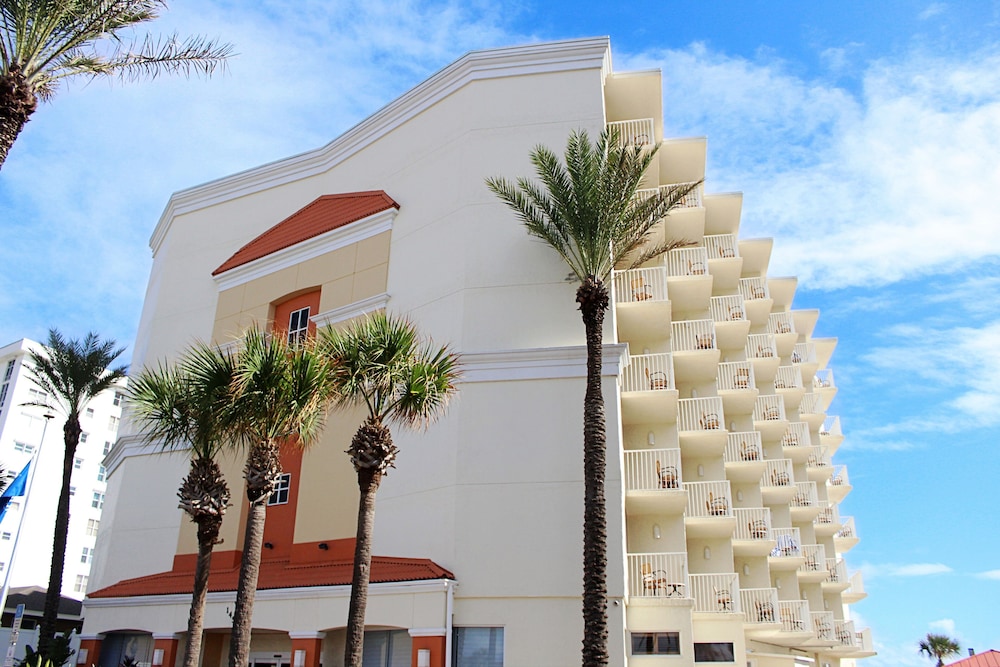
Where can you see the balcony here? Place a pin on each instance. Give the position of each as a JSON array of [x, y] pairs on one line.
[[847, 638], [758, 299], [731, 324], [782, 326], [657, 577], [827, 521], [716, 593], [795, 442], [642, 307], [839, 485], [814, 569], [762, 353], [856, 591], [811, 410], [846, 538], [823, 381], [804, 355], [787, 554], [753, 532], [830, 434], [804, 505], [736, 386], [796, 625], [863, 644], [686, 220], [653, 482], [777, 484], [724, 261], [836, 579], [769, 417], [744, 457], [818, 465], [638, 132], [692, 199], [695, 353], [701, 425], [648, 390], [823, 627], [760, 608], [709, 509], [688, 278]]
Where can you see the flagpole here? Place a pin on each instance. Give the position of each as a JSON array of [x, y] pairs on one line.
[[33, 462]]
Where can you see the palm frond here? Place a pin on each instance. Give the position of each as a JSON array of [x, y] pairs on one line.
[[73, 372]]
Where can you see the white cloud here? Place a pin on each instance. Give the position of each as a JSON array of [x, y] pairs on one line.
[[945, 625], [873, 571], [990, 574], [932, 10]]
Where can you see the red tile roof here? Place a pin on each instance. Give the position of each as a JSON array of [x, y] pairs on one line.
[[323, 215], [280, 574], [989, 658]]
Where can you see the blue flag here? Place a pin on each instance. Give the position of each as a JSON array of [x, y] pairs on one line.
[[15, 488]]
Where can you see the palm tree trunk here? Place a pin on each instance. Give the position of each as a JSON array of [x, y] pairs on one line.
[[593, 299], [17, 103], [71, 436], [368, 483], [208, 534], [239, 642]]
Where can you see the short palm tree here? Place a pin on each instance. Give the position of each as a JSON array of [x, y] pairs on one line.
[[586, 208], [386, 367], [282, 393], [71, 372], [187, 405], [939, 647], [43, 42]]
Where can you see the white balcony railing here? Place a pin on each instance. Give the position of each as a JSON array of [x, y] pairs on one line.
[[780, 323], [797, 435], [637, 132], [700, 414], [857, 587], [709, 499], [839, 477], [769, 408], [761, 346], [690, 200], [658, 575], [743, 447], [648, 372], [754, 288], [822, 622], [788, 377], [687, 262], [847, 530], [716, 593], [804, 353], [638, 285], [805, 495], [692, 335], [864, 640], [789, 543], [653, 469], [753, 523], [831, 427], [760, 605], [836, 570], [722, 246], [823, 379], [818, 458], [727, 308], [812, 404], [845, 634], [777, 473], [815, 558], [794, 615], [829, 515], [733, 375]]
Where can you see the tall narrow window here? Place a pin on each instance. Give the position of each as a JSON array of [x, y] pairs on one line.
[[81, 583], [107, 447], [477, 647], [280, 495], [298, 325], [92, 525], [119, 397], [101, 473], [87, 556], [113, 423], [98, 502]]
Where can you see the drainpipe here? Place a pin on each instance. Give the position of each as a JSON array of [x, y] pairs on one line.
[[450, 589]]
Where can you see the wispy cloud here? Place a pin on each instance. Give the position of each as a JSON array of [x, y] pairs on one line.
[[993, 575], [932, 10], [873, 571], [945, 625]]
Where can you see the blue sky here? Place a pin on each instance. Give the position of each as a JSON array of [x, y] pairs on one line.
[[864, 135]]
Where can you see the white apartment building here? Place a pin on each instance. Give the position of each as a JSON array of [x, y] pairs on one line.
[[22, 428], [725, 543]]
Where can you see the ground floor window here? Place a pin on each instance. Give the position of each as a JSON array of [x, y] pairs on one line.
[[117, 646], [656, 643], [714, 652], [387, 648], [477, 647]]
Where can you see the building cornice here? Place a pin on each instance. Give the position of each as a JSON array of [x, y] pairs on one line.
[[363, 307], [540, 363], [561, 56]]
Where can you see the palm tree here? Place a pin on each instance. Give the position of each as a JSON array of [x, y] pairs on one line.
[[939, 646], [71, 372], [187, 406], [43, 42], [385, 366], [586, 209], [281, 394]]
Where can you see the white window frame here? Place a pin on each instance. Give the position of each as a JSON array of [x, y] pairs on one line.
[[282, 490]]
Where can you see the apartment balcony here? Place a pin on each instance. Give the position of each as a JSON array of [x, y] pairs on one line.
[[762, 353], [823, 382], [804, 356], [823, 628], [856, 591], [716, 593], [846, 538], [709, 509], [830, 435], [795, 442], [836, 580], [846, 636], [686, 220], [769, 417], [782, 326], [642, 307], [637, 132], [753, 532], [689, 281], [648, 392], [731, 323], [696, 355], [827, 519], [838, 485], [724, 261], [744, 457], [760, 609], [777, 485], [787, 553], [814, 569], [804, 505], [736, 386], [819, 468], [693, 199], [811, 410], [796, 624], [863, 644], [758, 300], [657, 578], [701, 425], [653, 482]]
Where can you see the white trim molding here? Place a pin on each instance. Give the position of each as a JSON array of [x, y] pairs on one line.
[[540, 363], [351, 310], [307, 634], [428, 632]]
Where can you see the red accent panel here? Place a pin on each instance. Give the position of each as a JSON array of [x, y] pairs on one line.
[[312, 647], [169, 647], [436, 645], [93, 648]]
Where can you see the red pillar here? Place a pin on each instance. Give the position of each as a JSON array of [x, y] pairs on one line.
[[168, 645], [311, 645], [426, 640], [90, 650]]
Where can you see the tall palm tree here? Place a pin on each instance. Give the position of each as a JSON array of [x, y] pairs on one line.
[[71, 372], [939, 646], [586, 208], [187, 406], [386, 367], [43, 42], [282, 393]]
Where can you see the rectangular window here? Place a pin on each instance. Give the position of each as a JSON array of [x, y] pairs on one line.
[[77, 463], [113, 423], [656, 643], [98, 502], [4, 536], [92, 525], [3, 394], [3, 566], [23, 447], [102, 472], [387, 648], [280, 495], [107, 447], [477, 647], [81, 583], [9, 371], [36, 395], [119, 398], [714, 652], [298, 325], [89, 412], [88, 555], [72, 490], [83, 437]]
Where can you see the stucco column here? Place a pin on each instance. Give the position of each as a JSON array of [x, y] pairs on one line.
[[306, 648], [90, 650], [168, 645], [428, 643]]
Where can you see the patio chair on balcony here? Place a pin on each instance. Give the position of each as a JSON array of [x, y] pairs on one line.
[[844, 637], [783, 328], [779, 384], [779, 478], [696, 268], [640, 290], [724, 598], [789, 621], [765, 611], [758, 292], [790, 439], [653, 581], [772, 413], [796, 358], [640, 139], [802, 500], [727, 252], [764, 352], [667, 476], [704, 341], [717, 506], [709, 421], [812, 461], [758, 529], [742, 378], [832, 576], [823, 630], [811, 563], [786, 546], [749, 452], [657, 380], [735, 313]]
